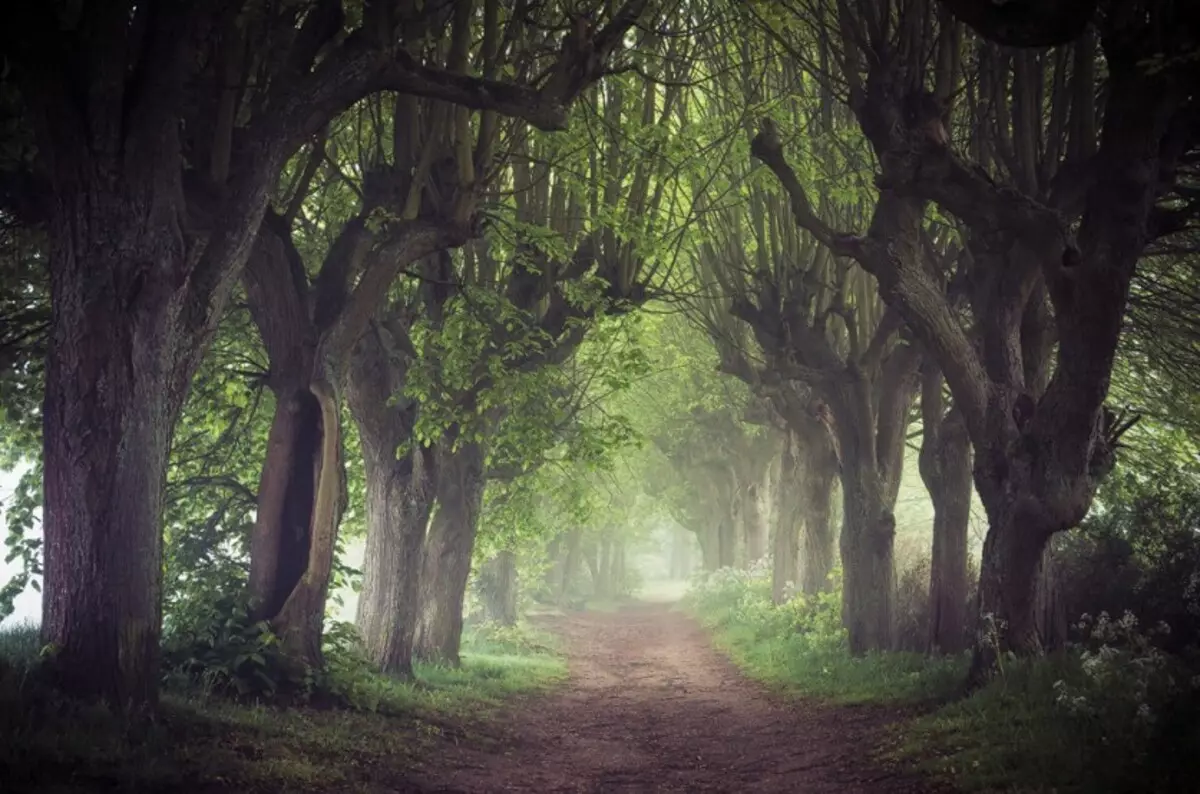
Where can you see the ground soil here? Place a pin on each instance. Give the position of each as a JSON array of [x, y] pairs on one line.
[[650, 706]]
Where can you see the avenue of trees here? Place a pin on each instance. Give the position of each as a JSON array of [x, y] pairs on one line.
[[504, 289]]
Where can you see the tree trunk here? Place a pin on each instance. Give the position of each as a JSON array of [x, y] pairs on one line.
[[710, 544], [399, 501], [1051, 613], [401, 487], [498, 585], [787, 521], [617, 570], [108, 417], [868, 571], [817, 537], [754, 521], [727, 538], [282, 531], [447, 559], [950, 491], [570, 563], [301, 621], [1008, 576], [604, 586], [945, 464], [681, 557]]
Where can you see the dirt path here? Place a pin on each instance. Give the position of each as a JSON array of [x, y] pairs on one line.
[[652, 707]]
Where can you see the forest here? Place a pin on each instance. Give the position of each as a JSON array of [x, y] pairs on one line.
[[600, 395]]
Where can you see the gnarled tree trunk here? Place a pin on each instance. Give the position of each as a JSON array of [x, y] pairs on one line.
[[447, 559]]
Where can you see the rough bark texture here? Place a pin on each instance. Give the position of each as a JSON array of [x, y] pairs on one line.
[[945, 463], [400, 484], [108, 415], [446, 563]]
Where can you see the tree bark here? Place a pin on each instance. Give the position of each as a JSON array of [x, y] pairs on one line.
[[868, 568], [401, 482], [498, 585], [301, 621], [945, 464], [286, 488], [446, 564], [817, 535], [785, 546], [870, 419]]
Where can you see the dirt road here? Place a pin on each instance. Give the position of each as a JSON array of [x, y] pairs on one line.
[[651, 707]]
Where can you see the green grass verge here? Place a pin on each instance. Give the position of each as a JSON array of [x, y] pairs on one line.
[[1123, 721], [201, 743], [795, 665]]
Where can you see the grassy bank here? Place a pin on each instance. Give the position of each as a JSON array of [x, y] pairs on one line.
[[1112, 715], [201, 741]]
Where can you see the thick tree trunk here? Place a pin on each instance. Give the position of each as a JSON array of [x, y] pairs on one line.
[[400, 493], [498, 586], [399, 501], [447, 560], [301, 621], [1051, 616], [1008, 575], [108, 416], [282, 531], [868, 584]]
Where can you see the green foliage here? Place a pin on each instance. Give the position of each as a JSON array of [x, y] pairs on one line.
[[1114, 714], [800, 646], [21, 517], [217, 646], [365, 730]]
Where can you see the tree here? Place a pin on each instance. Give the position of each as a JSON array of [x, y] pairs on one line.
[[1035, 415], [160, 132]]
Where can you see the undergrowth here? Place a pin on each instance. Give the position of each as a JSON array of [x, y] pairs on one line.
[[225, 723], [1112, 713], [800, 647]]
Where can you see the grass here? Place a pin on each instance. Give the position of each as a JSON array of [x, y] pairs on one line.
[[795, 666], [1128, 721], [200, 742]]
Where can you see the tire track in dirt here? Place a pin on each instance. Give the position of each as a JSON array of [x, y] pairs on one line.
[[651, 707]]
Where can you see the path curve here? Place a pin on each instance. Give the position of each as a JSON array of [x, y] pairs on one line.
[[651, 707]]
